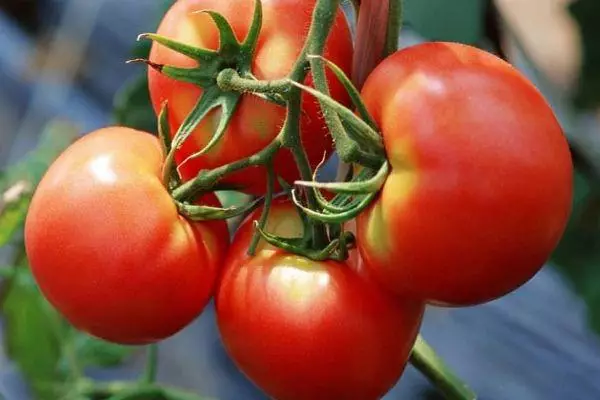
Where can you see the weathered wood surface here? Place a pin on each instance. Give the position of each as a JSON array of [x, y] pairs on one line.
[[530, 345]]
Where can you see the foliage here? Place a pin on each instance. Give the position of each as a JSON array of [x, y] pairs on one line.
[[36, 336], [587, 14], [132, 105], [578, 255], [19, 180]]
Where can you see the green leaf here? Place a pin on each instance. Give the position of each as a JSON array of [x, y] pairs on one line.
[[96, 352], [13, 206], [17, 182], [578, 254], [587, 15], [132, 106], [32, 336], [54, 139]]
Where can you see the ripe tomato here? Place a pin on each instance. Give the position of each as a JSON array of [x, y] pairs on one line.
[[301, 329], [481, 176], [256, 122], [108, 248]]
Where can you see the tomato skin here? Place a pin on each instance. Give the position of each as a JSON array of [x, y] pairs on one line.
[[108, 248], [481, 176], [256, 122], [301, 329]]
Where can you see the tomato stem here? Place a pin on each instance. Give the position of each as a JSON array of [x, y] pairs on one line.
[[206, 213], [372, 184], [359, 135], [359, 143], [229, 79], [151, 365], [266, 208], [395, 16], [169, 173], [424, 358], [292, 140], [338, 217], [352, 91], [206, 179]]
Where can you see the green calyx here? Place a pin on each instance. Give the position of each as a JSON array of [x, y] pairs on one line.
[[224, 76], [231, 55], [336, 249], [352, 198]]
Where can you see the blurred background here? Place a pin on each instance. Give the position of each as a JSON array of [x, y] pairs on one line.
[[62, 68]]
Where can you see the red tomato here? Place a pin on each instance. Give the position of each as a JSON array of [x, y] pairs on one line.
[[481, 176], [301, 329], [256, 122], [108, 248]]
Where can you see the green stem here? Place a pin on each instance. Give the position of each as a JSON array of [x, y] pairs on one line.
[[425, 359], [151, 364], [320, 26], [229, 79], [293, 142], [370, 185], [322, 21], [266, 208], [340, 217], [395, 15], [69, 350], [207, 179], [346, 147], [336, 114]]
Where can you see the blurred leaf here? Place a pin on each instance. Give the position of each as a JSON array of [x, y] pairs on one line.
[[31, 336], [578, 254], [132, 106], [231, 198], [17, 181], [13, 206], [458, 20], [587, 15], [96, 352], [54, 139], [141, 49], [31, 332]]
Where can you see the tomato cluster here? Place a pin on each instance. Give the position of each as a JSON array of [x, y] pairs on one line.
[[477, 197]]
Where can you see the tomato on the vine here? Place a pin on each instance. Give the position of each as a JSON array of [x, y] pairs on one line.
[[481, 176], [256, 122], [302, 329], [108, 248]]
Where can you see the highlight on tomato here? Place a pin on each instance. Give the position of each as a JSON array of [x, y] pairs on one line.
[[108, 248], [255, 122], [481, 176], [302, 329]]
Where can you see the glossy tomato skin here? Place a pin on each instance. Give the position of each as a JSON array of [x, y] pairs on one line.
[[256, 122], [481, 181], [301, 329], [108, 248]]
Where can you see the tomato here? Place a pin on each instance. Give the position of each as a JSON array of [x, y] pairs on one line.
[[108, 248], [481, 176], [302, 329], [256, 122]]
